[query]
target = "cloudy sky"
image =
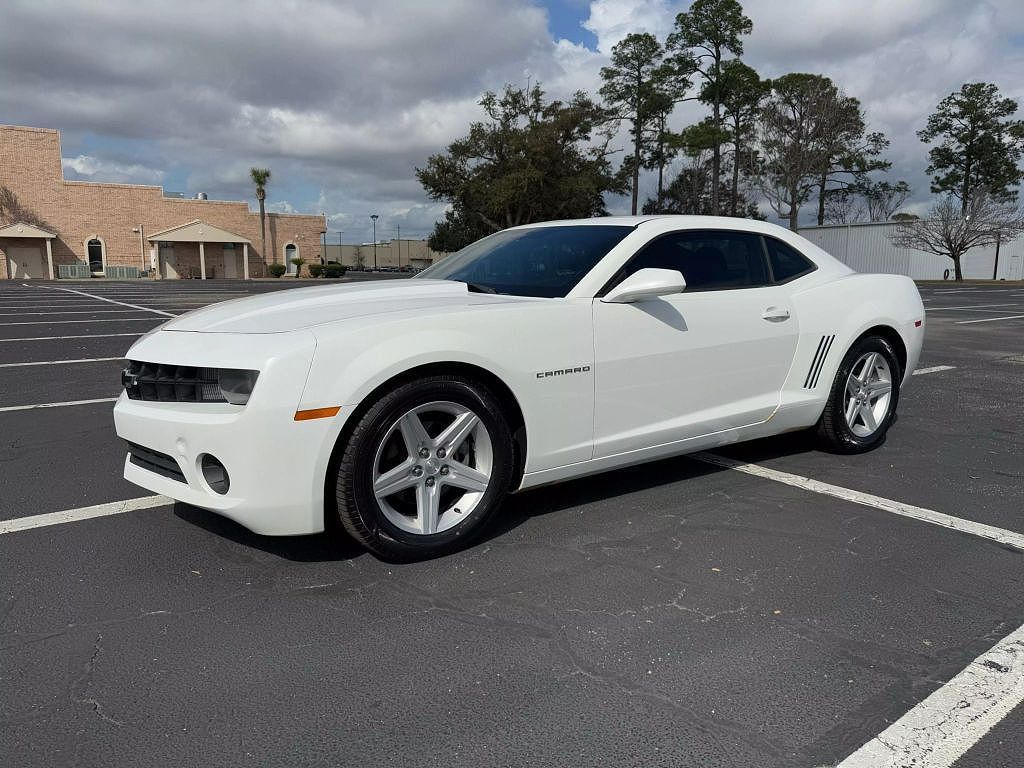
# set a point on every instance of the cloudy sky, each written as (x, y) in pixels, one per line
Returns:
(343, 99)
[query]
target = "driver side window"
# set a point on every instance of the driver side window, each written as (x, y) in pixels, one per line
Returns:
(709, 260)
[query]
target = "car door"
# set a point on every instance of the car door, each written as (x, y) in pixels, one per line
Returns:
(709, 359)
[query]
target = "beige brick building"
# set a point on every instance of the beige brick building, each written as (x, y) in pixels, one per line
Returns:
(121, 230)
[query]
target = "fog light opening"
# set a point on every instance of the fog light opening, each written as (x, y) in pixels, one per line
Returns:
(214, 473)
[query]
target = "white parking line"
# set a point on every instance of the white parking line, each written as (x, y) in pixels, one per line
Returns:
(105, 320)
(934, 369)
(940, 729)
(979, 306)
(86, 336)
(999, 535)
(101, 298)
(989, 319)
(82, 513)
(56, 405)
(68, 312)
(61, 362)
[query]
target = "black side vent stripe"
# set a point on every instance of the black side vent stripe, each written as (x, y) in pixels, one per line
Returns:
(814, 362)
(819, 361)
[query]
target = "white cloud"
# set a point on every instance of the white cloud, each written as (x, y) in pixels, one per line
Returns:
(92, 168)
(343, 100)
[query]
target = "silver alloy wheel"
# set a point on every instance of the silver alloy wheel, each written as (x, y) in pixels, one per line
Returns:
(427, 483)
(868, 394)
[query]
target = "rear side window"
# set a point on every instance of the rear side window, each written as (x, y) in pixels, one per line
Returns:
(709, 260)
(786, 262)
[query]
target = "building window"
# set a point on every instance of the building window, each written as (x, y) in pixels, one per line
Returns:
(94, 248)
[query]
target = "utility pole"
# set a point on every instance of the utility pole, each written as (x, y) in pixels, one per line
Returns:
(374, 217)
(995, 266)
(341, 251)
(398, 227)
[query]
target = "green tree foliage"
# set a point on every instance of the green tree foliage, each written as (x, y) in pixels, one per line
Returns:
(706, 33)
(979, 147)
(531, 160)
(742, 92)
(690, 190)
(850, 153)
(795, 140)
(641, 87)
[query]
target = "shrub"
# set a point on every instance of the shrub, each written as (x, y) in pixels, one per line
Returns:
(334, 270)
(298, 262)
(316, 270)
(276, 270)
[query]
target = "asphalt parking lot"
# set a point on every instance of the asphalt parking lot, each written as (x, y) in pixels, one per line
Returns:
(682, 613)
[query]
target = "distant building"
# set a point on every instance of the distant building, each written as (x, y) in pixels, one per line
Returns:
(83, 228)
(390, 253)
(867, 247)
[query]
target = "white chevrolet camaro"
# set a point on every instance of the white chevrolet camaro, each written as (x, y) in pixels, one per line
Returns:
(407, 409)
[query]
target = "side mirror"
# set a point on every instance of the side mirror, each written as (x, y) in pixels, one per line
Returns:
(646, 284)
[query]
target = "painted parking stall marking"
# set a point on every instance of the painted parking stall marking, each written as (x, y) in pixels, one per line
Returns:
(999, 535)
(112, 301)
(57, 405)
(82, 513)
(934, 369)
(86, 336)
(990, 319)
(940, 729)
(60, 362)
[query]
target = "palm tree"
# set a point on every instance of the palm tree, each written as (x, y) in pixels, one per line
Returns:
(260, 177)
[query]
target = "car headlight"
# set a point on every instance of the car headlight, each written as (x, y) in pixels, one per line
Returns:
(236, 384)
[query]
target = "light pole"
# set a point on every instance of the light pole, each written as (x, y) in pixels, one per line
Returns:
(399, 239)
(374, 217)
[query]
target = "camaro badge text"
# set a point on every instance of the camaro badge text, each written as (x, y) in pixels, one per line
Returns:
(564, 371)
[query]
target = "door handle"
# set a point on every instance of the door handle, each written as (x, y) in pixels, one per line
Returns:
(775, 314)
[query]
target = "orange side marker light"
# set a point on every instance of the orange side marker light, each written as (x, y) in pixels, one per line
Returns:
(317, 413)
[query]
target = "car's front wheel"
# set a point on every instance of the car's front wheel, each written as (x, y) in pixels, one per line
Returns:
(862, 402)
(425, 468)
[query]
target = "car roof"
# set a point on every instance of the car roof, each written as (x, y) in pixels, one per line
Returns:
(682, 221)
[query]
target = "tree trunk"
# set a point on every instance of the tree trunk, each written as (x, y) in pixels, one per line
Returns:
(821, 200)
(794, 209)
(263, 232)
(636, 163)
(735, 176)
(965, 188)
(957, 271)
(716, 156)
(661, 184)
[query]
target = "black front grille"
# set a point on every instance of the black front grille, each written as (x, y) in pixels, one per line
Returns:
(157, 462)
(171, 383)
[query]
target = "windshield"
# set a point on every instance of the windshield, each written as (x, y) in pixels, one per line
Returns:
(545, 262)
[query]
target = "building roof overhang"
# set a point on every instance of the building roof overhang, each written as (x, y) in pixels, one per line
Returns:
(196, 232)
(21, 229)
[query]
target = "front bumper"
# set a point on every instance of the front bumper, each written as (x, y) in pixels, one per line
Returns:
(276, 465)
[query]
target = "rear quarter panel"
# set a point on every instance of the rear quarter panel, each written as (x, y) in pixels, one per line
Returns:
(833, 315)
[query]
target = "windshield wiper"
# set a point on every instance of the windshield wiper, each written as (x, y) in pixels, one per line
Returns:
(477, 287)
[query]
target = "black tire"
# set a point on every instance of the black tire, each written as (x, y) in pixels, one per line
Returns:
(358, 509)
(833, 431)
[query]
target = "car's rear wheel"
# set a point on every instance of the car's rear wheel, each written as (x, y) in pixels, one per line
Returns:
(425, 468)
(862, 402)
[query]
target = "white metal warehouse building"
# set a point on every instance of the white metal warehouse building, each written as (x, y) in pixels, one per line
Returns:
(867, 248)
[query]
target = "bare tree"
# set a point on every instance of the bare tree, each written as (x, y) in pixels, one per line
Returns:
(865, 200)
(950, 232)
(883, 199)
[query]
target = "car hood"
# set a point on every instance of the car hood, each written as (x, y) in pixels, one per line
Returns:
(297, 308)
